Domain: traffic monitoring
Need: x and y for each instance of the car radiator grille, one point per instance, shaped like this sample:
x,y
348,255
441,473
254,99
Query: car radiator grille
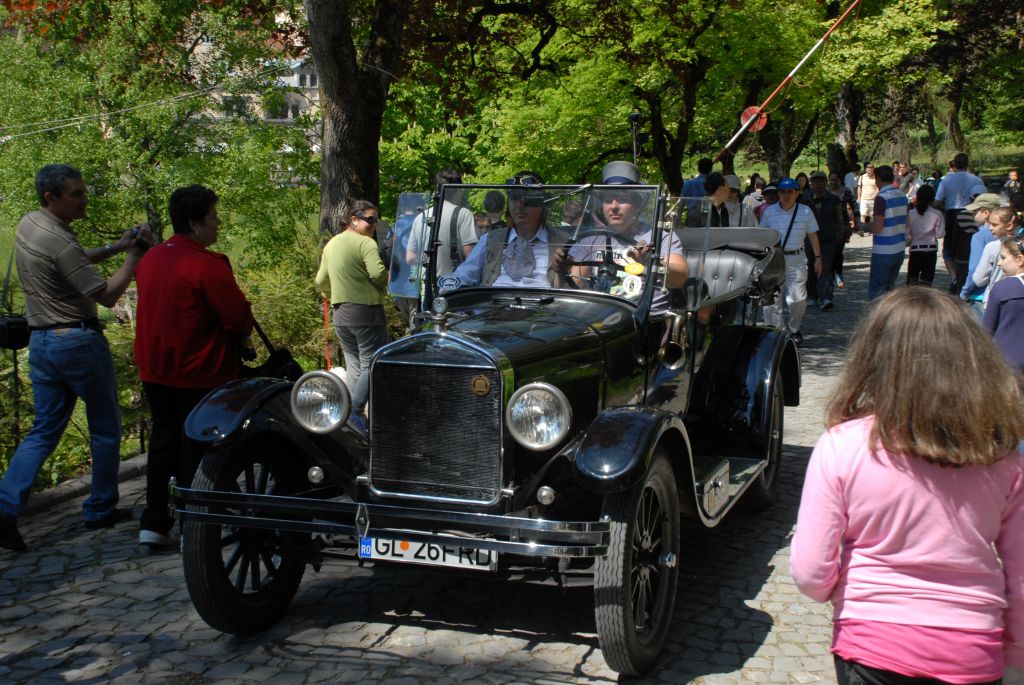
x,y
432,436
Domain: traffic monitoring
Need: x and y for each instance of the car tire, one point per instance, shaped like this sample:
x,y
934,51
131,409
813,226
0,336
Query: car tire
x,y
635,584
242,580
761,493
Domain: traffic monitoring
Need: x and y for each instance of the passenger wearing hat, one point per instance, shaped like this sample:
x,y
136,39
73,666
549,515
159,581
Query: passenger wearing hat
x,y
525,254
981,207
739,212
828,212
793,221
889,234
620,212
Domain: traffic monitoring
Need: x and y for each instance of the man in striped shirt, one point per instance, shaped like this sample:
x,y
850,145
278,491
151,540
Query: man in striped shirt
x,y
889,229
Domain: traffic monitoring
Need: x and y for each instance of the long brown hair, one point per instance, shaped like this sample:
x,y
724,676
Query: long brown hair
x,y
936,384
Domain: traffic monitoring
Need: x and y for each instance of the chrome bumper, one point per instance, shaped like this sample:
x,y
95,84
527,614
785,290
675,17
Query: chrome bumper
x,y
508,534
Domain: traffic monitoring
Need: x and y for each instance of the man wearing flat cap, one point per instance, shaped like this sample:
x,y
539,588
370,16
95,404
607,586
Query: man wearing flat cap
x,y
525,254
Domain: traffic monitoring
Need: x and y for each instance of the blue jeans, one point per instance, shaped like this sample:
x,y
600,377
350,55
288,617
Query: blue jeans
x,y
885,268
66,364
359,343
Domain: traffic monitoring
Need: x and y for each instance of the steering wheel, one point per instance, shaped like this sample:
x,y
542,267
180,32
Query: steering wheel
x,y
603,280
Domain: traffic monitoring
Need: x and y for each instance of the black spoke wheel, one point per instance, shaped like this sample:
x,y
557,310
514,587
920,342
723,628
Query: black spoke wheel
x,y
761,493
241,580
635,584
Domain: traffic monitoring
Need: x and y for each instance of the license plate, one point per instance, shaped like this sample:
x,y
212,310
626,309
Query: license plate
x,y
427,553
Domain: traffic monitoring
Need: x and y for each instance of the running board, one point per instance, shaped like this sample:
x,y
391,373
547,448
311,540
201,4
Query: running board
x,y
722,488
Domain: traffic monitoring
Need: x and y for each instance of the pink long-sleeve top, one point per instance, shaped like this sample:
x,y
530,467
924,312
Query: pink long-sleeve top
x,y
899,540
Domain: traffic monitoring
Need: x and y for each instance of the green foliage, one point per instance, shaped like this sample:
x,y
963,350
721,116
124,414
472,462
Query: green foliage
x,y
128,90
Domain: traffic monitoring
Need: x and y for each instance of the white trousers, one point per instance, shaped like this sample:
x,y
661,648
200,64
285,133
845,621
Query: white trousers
x,y
795,289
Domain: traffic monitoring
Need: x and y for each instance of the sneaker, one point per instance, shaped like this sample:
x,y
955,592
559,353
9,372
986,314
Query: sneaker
x,y
798,338
10,538
155,539
840,283
826,305
110,519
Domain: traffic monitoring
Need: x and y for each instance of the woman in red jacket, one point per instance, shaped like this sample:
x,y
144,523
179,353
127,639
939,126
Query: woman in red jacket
x,y
192,321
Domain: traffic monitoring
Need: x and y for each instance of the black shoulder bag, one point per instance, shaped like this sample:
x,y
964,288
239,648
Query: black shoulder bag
x,y
279,364
454,239
14,333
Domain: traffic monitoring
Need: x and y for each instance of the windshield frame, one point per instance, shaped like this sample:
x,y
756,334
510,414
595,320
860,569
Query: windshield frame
x,y
553,193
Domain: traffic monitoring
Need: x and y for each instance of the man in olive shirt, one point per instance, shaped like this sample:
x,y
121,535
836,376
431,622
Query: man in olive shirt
x,y
68,354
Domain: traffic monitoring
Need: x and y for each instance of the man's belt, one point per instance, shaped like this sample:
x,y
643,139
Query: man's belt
x,y
84,323
924,247
793,252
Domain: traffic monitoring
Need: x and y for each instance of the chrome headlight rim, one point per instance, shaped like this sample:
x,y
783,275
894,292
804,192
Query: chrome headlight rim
x,y
345,401
564,408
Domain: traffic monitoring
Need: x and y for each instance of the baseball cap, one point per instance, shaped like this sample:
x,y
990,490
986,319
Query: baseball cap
x,y
615,173
985,201
787,184
818,174
770,188
733,181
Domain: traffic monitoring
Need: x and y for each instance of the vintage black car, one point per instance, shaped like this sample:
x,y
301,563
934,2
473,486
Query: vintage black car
x,y
551,425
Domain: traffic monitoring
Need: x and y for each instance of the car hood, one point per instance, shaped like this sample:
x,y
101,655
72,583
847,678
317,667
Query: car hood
x,y
528,330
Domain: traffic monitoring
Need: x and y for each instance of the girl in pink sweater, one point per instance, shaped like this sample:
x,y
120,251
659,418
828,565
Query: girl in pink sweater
x,y
912,515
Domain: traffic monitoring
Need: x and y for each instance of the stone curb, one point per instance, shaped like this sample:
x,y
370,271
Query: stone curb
x,y
80,485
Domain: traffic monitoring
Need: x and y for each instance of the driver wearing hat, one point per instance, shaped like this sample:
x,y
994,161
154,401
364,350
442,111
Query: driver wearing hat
x,y
632,239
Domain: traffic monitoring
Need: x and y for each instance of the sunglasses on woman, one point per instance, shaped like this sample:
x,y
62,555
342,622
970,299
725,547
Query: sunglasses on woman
x,y
367,219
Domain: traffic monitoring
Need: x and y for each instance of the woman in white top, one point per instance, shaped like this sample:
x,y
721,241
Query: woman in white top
x,y
925,225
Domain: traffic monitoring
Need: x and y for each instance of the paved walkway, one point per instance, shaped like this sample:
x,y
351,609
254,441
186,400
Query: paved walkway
x,y
87,607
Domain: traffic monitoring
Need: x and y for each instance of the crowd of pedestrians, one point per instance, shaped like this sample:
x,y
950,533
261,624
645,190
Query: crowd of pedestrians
x,y
903,212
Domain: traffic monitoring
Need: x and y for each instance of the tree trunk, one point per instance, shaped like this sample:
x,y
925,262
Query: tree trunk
x,y
835,159
353,96
669,148
933,139
956,99
783,139
847,108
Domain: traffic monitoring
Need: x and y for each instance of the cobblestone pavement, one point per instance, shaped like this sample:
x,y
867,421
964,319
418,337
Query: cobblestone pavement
x,y
88,607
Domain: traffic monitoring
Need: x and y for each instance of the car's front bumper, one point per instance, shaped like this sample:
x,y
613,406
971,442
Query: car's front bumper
x,y
342,517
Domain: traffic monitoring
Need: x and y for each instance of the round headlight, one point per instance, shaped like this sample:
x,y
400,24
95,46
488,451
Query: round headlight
x,y
320,401
538,416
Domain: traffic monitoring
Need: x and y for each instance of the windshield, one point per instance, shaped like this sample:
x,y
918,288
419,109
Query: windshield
x,y
597,238
404,280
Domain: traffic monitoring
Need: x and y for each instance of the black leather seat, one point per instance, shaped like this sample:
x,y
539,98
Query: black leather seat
x,y
739,261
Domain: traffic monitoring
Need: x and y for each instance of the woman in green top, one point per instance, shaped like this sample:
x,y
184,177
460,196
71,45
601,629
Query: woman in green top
x,y
353,276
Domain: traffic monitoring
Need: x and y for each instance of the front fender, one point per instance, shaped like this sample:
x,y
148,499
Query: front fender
x,y
220,414
731,406
259,410
618,446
